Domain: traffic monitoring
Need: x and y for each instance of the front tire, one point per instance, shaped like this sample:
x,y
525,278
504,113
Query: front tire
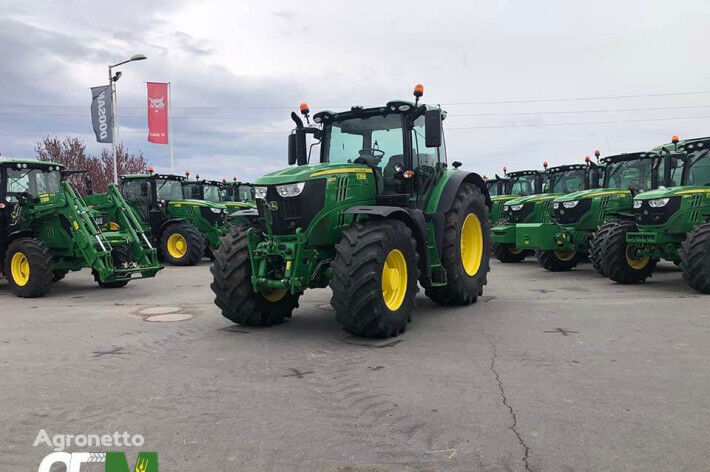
x,y
596,241
234,292
558,261
28,268
506,252
466,254
695,262
616,262
374,279
182,244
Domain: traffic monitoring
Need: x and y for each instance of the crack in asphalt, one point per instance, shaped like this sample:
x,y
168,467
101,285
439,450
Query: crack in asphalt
x,y
514,426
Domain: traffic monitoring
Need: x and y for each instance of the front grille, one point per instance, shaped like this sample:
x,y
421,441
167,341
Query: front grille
x,y
565,216
520,215
290,213
214,218
647,215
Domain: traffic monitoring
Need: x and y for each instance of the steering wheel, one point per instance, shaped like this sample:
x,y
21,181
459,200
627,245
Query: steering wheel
x,y
370,156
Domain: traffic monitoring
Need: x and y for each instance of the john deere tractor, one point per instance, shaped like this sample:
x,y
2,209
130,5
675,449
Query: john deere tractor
x,y
512,239
379,211
237,195
197,189
513,185
47,230
669,223
184,229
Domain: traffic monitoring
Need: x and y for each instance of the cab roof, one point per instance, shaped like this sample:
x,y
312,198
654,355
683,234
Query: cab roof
x,y
152,176
519,173
628,156
12,162
566,167
394,106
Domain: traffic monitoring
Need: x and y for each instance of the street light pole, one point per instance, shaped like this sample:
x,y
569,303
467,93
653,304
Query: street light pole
x,y
114,110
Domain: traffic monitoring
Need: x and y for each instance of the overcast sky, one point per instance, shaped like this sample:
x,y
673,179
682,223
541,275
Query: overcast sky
x,y
239,67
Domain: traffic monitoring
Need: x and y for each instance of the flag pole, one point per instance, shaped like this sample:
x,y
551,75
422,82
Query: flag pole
x,y
170,128
114,131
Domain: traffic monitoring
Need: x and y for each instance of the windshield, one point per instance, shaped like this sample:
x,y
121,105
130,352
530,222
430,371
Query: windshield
x,y
169,189
699,170
635,174
246,193
492,187
375,140
568,181
523,185
35,182
211,193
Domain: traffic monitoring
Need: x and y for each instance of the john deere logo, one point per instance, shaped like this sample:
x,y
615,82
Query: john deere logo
x,y
273,206
113,461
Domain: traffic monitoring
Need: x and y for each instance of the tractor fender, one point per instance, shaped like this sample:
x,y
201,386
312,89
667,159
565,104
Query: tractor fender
x,y
169,222
413,218
452,187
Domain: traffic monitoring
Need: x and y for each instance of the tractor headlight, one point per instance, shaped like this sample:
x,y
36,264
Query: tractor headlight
x,y
260,192
517,207
637,204
555,205
290,190
571,204
216,210
659,202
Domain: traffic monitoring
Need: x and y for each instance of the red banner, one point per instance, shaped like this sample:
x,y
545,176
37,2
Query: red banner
x,y
158,112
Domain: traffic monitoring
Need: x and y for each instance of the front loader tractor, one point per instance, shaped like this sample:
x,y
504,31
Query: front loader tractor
x,y
671,222
529,215
47,230
379,211
184,229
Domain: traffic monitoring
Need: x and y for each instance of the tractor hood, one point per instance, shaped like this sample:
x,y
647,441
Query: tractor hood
x,y
307,172
591,193
671,192
533,198
199,203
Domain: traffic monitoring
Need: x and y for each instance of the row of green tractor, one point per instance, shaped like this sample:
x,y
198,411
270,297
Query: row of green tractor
x,y
47,229
623,213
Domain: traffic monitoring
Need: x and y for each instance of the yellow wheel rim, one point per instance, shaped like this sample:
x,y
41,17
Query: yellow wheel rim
x,y
20,269
394,279
177,246
471,244
273,295
515,250
636,264
565,255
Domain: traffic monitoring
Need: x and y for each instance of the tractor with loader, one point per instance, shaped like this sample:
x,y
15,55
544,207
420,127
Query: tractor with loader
x,y
47,230
512,241
375,211
184,229
671,222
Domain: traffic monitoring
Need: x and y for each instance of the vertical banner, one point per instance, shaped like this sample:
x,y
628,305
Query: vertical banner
x,y
102,113
158,112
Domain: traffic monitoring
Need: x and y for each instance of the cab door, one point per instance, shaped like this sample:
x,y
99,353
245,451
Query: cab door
x,y
428,163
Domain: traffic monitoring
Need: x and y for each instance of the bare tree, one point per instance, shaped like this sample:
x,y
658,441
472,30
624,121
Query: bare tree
x,y
71,153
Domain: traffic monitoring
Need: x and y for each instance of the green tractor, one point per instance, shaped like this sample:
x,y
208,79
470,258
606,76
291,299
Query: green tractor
x,y
380,212
184,229
584,218
216,191
237,195
511,237
516,184
47,230
670,223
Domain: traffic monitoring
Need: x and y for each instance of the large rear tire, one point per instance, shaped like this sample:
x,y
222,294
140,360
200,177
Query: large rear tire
x,y
616,262
182,244
374,279
695,258
558,261
234,292
28,268
466,254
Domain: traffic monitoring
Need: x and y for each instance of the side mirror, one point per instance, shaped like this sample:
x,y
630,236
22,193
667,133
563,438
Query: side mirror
x,y
432,128
297,153
145,189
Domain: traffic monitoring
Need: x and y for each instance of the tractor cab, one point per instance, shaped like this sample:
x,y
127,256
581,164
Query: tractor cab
x,y
523,182
209,190
235,191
